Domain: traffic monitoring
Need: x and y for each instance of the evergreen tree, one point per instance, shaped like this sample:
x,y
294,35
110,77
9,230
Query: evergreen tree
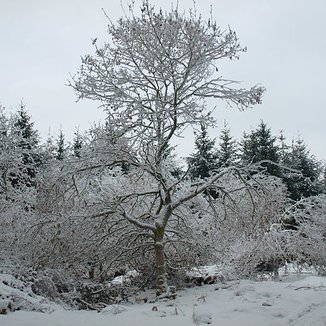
x,y
307,182
25,128
259,145
19,159
173,165
27,140
61,148
249,148
227,150
204,161
283,148
324,178
8,158
77,144
49,149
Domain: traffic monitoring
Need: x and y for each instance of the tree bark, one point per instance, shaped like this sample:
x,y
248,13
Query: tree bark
x,y
276,270
160,268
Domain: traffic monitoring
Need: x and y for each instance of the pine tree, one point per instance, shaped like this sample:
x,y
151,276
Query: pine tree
x,y
204,161
259,145
227,150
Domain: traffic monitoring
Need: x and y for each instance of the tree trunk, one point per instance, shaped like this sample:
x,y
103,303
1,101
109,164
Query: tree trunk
x,y
160,268
276,270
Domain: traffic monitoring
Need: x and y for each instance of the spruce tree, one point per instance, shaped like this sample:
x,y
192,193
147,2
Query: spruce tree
x,y
204,161
77,144
283,148
227,149
259,145
19,159
249,148
61,148
27,140
307,181
25,127
324,178
8,160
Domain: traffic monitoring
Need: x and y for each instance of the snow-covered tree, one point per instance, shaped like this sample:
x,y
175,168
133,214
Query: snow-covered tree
x,y
18,168
227,148
26,127
19,156
61,147
77,143
27,140
306,181
203,163
324,178
152,80
259,145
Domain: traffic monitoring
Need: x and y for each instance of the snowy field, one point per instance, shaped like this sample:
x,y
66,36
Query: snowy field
x,y
297,300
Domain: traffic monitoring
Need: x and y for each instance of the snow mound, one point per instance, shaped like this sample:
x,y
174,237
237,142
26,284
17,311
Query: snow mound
x,y
16,294
114,309
311,282
124,279
202,318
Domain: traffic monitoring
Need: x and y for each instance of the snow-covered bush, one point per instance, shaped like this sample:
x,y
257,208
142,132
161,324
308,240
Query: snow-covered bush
x,y
307,235
244,234
16,291
298,236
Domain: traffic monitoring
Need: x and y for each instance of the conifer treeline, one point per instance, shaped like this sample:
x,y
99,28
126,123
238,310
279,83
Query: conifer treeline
x,y
302,173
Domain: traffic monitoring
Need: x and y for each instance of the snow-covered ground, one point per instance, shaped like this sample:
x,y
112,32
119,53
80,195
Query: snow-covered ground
x,y
297,300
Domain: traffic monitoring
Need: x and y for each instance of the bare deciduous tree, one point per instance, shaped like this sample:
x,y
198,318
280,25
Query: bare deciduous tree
x,y
152,79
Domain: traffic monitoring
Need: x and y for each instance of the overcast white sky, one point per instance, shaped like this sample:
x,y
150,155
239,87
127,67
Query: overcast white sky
x,y
42,41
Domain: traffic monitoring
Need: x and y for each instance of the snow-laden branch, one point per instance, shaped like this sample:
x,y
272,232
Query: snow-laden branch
x,y
201,187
